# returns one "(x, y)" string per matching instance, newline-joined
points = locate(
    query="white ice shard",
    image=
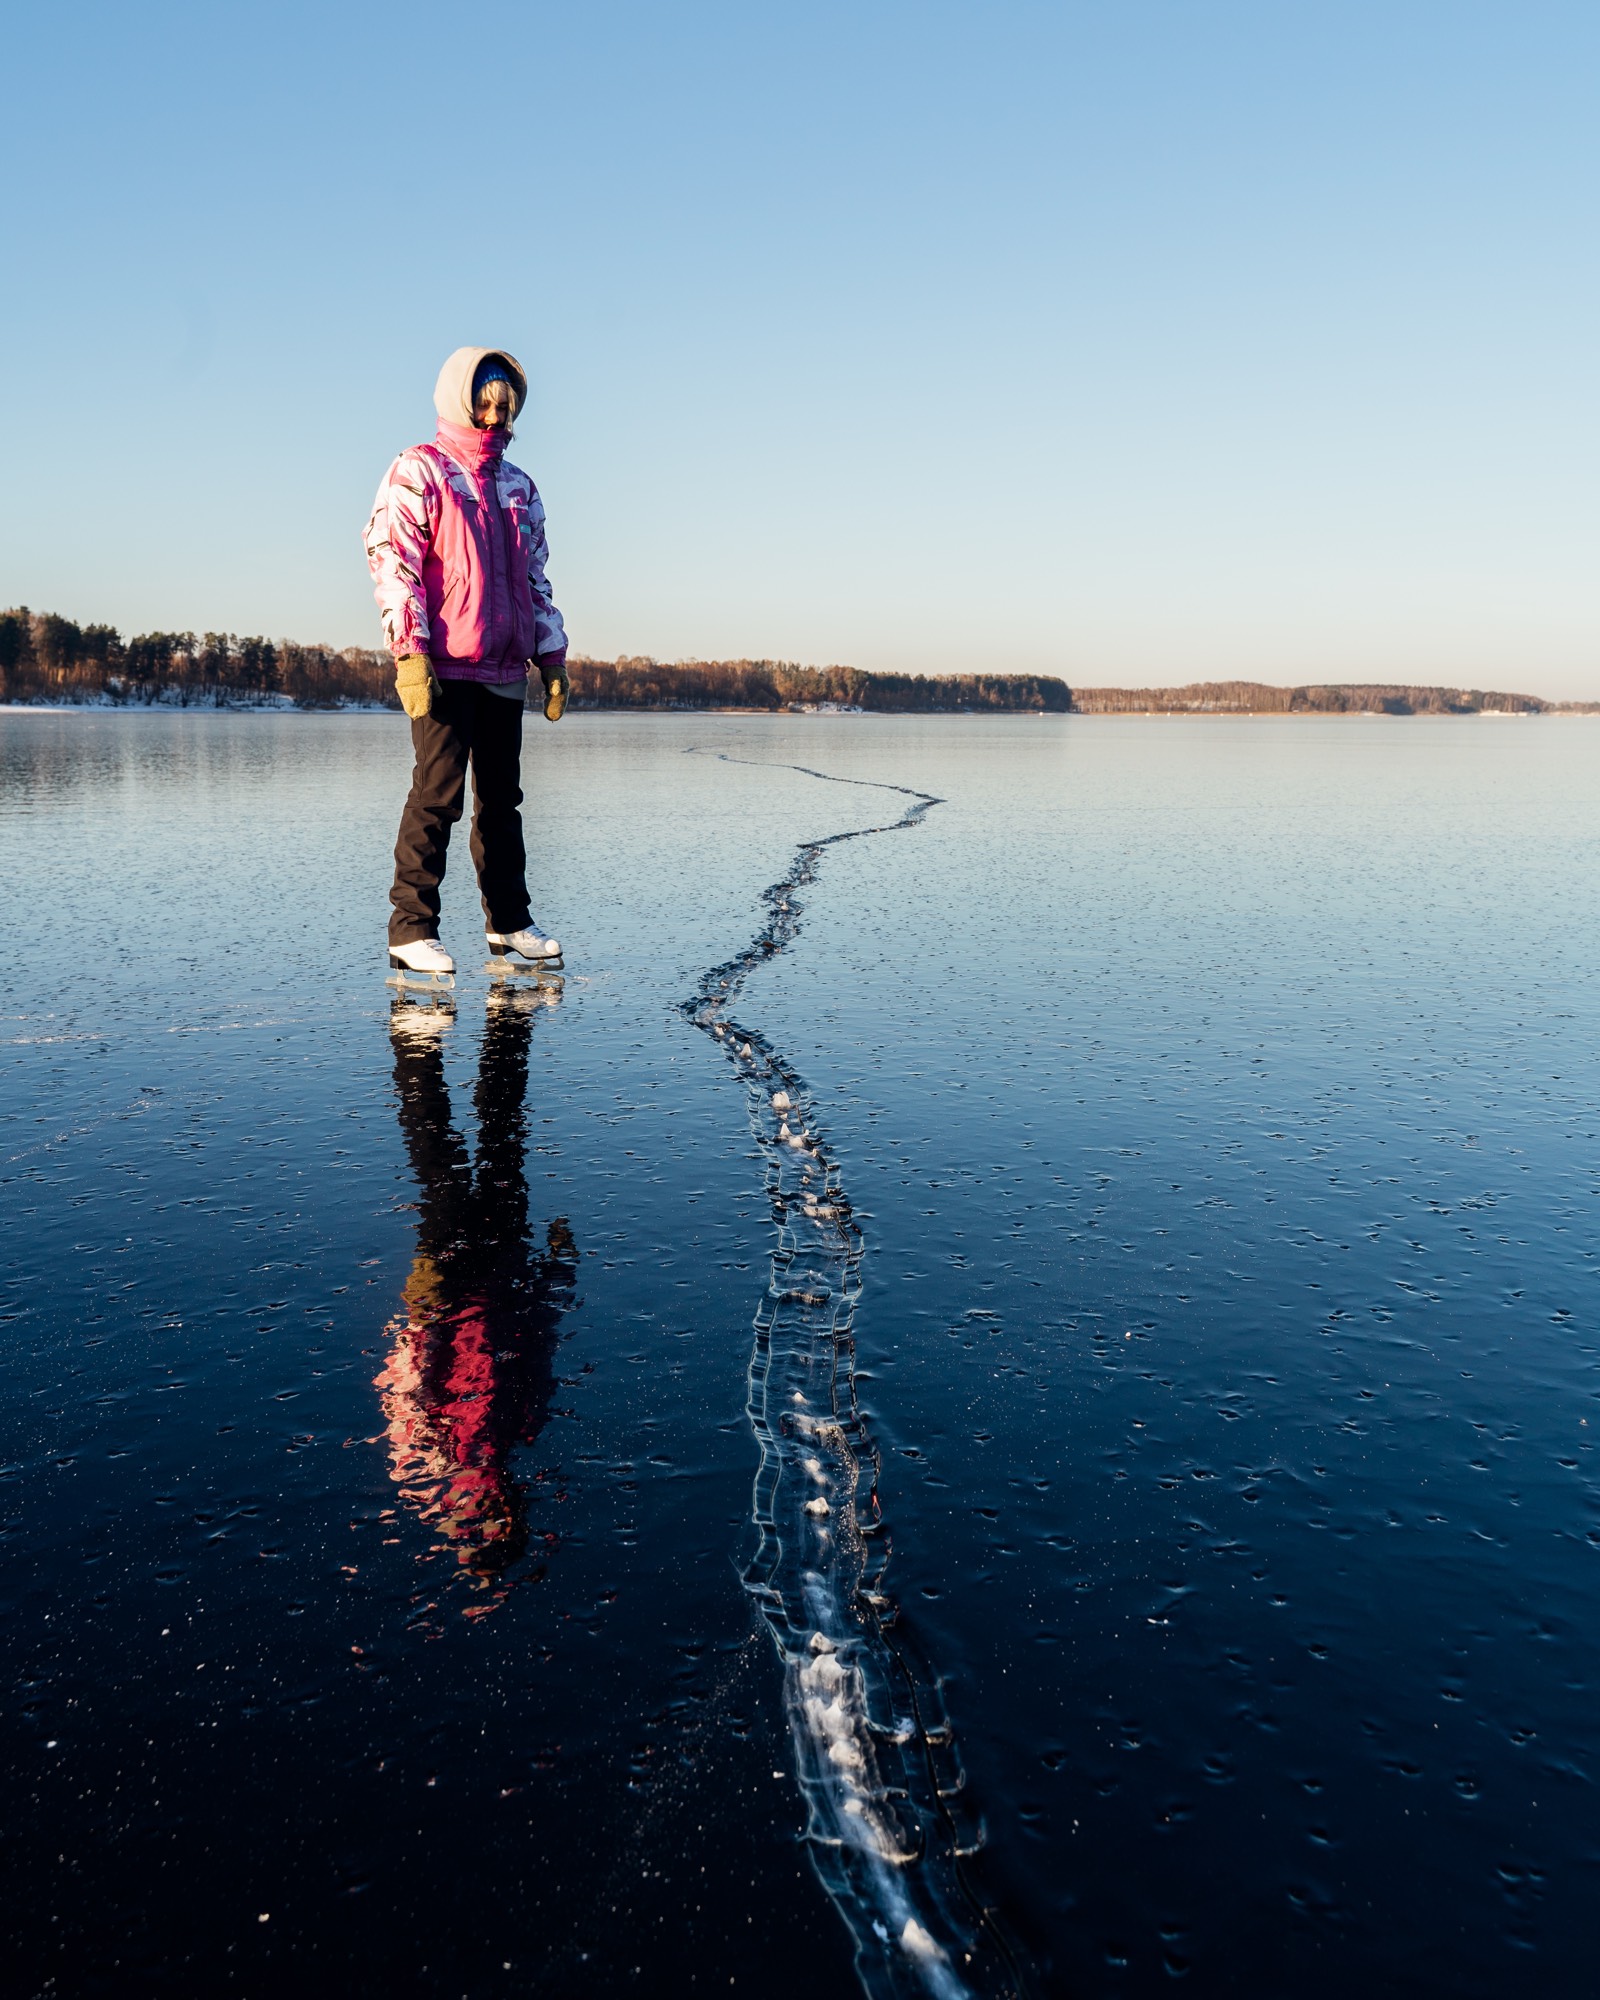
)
(917, 1943)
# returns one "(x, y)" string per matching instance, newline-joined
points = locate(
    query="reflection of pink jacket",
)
(457, 548)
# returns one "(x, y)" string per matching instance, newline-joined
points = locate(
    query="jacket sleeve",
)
(397, 539)
(551, 640)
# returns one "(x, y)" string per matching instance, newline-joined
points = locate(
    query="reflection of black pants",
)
(468, 724)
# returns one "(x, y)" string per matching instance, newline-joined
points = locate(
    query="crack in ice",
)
(875, 1754)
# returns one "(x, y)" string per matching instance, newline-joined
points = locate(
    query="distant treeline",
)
(1254, 698)
(645, 683)
(47, 658)
(51, 659)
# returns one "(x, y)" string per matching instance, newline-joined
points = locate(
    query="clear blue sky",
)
(1139, 341)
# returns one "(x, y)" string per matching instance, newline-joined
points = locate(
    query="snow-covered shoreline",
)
(226, 702)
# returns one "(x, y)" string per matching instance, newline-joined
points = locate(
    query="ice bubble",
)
(818, 1507)
(780, 1100)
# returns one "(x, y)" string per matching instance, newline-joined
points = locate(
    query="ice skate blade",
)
(407, 981)
(521, 968)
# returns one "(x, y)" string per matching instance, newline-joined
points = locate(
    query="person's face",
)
(491, 407)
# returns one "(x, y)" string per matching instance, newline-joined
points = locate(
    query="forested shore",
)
(1350, 698)
(48, 659)
(775, 684)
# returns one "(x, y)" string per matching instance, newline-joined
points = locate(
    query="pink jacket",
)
(457, 549)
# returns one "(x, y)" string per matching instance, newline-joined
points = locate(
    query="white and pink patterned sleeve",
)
(397, 539)
(550, 643)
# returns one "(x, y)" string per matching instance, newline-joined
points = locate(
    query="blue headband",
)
(487, 372)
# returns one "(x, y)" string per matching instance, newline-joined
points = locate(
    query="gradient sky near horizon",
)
(1138, 342)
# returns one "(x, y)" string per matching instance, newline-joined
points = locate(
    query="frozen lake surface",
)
(1096, 1489)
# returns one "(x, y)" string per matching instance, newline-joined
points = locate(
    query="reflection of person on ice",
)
(470, 1372)
(457, 546)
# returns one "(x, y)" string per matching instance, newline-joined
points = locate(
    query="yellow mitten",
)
(555, 691)
(416, 683)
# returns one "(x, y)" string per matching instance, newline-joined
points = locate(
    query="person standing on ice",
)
(457, 549)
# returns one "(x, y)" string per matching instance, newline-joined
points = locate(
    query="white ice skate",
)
(525, 951)
(530, 942)
(423, 965)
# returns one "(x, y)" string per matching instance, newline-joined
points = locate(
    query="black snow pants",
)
(467, 725)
